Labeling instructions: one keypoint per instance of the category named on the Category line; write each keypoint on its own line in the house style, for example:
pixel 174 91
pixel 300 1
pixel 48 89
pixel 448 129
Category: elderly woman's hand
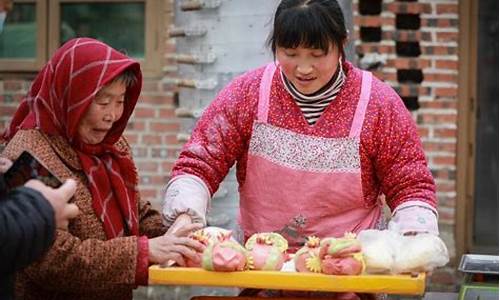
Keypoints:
pixel 5 164
pixel 175 246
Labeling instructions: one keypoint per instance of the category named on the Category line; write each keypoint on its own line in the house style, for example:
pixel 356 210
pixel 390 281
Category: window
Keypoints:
pixel 35 29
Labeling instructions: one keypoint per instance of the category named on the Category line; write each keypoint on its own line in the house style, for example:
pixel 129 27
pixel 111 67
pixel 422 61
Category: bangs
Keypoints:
pixel 312 24
pixel 301 28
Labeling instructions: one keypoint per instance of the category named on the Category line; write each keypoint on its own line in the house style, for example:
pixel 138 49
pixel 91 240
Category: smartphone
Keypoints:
pixel 27 167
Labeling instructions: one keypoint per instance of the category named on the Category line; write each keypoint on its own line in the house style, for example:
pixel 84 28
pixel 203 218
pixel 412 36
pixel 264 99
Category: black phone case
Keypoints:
pixel 27 167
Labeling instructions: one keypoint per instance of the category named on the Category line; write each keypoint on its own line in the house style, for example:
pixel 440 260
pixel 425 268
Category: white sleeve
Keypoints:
pixel 414 216
pixel 186 194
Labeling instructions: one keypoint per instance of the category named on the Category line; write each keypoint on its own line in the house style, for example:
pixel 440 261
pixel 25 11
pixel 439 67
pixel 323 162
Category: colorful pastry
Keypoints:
pixel 224 255
pixel 267 251
pixel 307 258
pixel 341 256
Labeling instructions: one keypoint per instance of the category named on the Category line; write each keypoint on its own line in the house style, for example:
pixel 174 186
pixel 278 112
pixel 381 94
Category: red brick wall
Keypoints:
pixel 419 39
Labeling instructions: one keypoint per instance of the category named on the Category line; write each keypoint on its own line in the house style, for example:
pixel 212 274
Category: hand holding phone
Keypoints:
pixel 27 167
pixel 58 198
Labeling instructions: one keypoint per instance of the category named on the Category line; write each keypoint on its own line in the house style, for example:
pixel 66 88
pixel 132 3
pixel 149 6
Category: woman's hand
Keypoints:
pixel 59 199
pixel 5 164
pixel 175 246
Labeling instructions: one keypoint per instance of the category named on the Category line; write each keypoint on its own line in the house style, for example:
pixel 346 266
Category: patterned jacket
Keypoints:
pixel 83 264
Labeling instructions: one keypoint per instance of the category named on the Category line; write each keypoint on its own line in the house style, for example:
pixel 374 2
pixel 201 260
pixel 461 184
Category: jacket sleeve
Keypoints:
pixel 221 134
pixel 73 264
pixel 27 228
pixel 400 162
pixel 150 221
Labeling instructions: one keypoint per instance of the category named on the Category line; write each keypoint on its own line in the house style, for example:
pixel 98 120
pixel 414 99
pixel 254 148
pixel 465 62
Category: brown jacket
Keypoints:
pixel 82 264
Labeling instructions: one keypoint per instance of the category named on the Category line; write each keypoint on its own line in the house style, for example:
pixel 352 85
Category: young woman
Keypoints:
pixel 72 120
pixel 316 141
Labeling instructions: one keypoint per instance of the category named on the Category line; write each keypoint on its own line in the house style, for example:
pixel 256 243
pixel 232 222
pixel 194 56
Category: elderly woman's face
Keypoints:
pixel 106 109
pixel 308 69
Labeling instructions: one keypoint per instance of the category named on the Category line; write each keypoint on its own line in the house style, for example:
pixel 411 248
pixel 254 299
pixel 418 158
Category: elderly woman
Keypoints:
pixel 73 119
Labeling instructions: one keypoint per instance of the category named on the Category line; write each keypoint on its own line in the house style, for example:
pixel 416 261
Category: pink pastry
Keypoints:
pixel 341 256
pixel 225 255
pixel 267 251
pixel 307 258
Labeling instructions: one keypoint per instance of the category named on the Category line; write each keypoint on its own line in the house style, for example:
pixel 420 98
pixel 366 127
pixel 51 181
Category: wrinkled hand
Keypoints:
pixel 175 246
pixel 58 198
pixel 5 164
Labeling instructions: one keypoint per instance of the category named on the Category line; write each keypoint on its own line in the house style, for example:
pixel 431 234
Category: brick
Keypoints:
pixel 167 166
pixel 446 186
pixel 448 161
pixel 446 9
pixel 150 85
pixel 438 104
pixel 407 35
pixel 163 127
pixel 439 22
pixel 134 124
pixel 446 92
pixel 409 63
pixel 440 77
pixel 447 64
pixel 444 173
pixel 409 90
pixel 423 131
pixel 144 112
pixel 373 21
pixel 147 192
pixel 437 118
pixel 445 132
pixel 374 48
pixel 385 76
pixel 440 50
pixel 444 37
pixel 132 138
pixel 440 146
pixel 159 180
pixel 147 166
pixel 166 112
pixel 170 139
pixel 408 8
pixel 157 99
pixel 151 139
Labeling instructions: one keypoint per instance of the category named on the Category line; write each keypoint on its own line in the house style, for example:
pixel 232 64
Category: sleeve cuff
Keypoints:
pixel 186 194
pixel 141 273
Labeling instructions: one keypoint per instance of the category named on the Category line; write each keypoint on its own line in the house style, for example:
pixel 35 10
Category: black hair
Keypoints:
pixel 127 77
pixel 309 23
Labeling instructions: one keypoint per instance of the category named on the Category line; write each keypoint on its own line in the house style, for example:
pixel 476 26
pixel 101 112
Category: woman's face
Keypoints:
pixel 106 109
pixel 307 68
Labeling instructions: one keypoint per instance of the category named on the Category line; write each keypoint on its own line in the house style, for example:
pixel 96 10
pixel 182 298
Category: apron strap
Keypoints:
pixel 364 98
pixel 264 92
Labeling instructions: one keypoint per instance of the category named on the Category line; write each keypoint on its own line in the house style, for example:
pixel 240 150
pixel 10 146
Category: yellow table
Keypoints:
pixel 388 284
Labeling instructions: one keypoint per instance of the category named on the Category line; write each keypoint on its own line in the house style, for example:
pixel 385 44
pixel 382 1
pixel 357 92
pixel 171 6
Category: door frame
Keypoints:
pixel 466 130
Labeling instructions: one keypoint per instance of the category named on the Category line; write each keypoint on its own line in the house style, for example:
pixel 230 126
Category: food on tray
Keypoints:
pixel 267 251
pixel 206 236
pixel 419 253
pixel 307 258
pixel 341 256
pixel 379 249
pixel 225 255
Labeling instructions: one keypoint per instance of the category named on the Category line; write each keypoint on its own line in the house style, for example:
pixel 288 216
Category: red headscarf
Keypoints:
pixel 57 101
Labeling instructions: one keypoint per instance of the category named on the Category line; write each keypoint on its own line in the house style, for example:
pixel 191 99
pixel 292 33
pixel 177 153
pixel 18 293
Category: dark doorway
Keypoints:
pixel 485 228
